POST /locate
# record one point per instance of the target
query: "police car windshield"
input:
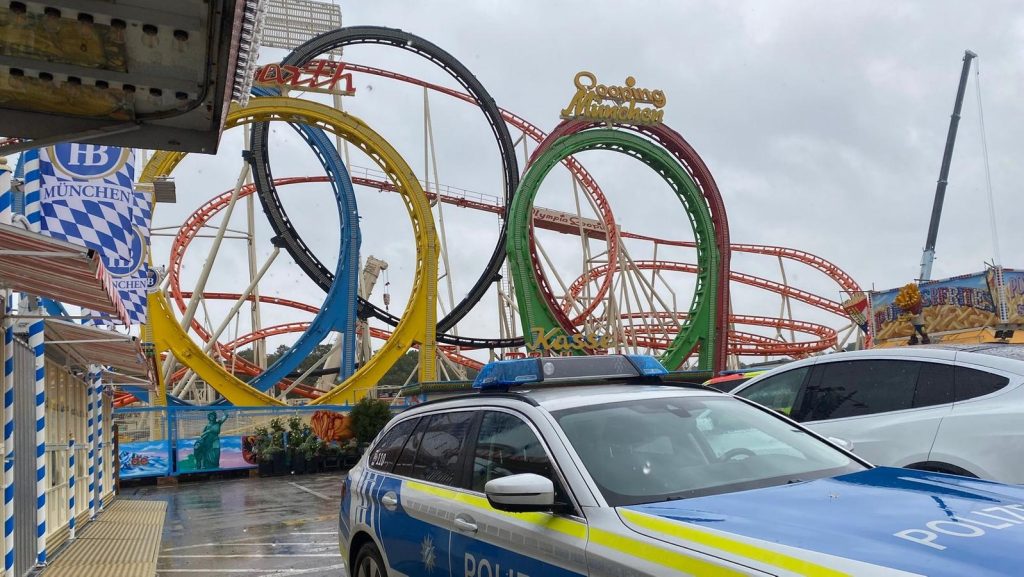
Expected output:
(649, 450)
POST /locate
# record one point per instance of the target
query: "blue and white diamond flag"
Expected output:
(86, 198)
(135, 279)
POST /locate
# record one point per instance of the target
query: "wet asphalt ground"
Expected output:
(256, 527)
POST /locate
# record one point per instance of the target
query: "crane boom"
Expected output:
(947, 156)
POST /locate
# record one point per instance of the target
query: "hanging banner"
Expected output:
(133, 278)
(86, 197)
(950, 305)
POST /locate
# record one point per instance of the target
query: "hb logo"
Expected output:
(88, 161)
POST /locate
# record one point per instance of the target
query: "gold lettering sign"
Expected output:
(556, 341)
(591, 102)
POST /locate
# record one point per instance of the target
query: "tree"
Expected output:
(368, 417)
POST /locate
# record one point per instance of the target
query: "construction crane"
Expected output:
(940, 188)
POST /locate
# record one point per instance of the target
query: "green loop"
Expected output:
(699, 328)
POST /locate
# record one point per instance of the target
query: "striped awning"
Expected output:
(36, 264)
(85, 345)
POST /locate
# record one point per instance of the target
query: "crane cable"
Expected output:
(997, 261)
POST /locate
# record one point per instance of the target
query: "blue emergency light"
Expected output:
(504, 374)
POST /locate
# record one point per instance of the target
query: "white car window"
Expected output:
(971, 383)
(861, 387)
(778, 392)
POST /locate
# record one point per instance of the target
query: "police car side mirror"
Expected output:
(522, 493)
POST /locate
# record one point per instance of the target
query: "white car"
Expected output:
(948, 408)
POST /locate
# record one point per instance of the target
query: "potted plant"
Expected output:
(276, 447)
(298, 436)
(350, 453)
(311, 450)
(260, 447)
(332, 456)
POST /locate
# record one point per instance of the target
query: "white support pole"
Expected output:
(204, 275)
(36, 343)
(90, 425)
(8, 435)
(259, 348)
(242, 299)
(33, 214)
(33, 211)
(6, 214)
(6, 198)
(71, 488)
(99, 446)
(215, 335)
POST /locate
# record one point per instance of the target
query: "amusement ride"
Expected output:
(628, 298)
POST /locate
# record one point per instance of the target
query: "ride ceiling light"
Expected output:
(135, 73)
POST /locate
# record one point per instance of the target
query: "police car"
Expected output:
(600, 466)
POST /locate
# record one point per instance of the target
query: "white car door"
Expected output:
(889, 409)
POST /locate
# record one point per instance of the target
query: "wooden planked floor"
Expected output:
(124, 541)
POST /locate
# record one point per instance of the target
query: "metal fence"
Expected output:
(162, 441)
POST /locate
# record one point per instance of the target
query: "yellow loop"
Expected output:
(419, 319)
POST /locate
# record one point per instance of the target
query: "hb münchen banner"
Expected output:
(86, 198)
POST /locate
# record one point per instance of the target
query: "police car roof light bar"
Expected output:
(500, 375)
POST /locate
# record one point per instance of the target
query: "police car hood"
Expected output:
(916, 522)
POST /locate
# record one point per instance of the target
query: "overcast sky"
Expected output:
(823, 124)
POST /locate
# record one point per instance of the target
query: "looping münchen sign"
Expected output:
(589, 102)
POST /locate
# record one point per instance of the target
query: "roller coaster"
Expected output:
(627, 300)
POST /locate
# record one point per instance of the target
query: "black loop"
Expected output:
(297, 248)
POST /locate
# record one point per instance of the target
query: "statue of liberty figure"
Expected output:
(207, 447)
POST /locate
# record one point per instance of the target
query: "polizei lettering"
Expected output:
(589, 102)
(486, 568)
(93, 191)
(939, 533)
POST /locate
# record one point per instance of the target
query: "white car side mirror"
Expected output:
(848, 445)
(521, 493)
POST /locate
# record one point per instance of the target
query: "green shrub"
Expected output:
(368, 418)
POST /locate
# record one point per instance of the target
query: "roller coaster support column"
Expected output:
(231, 313)
(204, 274)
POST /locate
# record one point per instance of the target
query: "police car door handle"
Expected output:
(465, 524)
(389, 500)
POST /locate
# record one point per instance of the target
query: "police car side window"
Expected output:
(386, 451)
(437, 458)
(505, 446)
(971, 383)
(408, 455)
(778, 392)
